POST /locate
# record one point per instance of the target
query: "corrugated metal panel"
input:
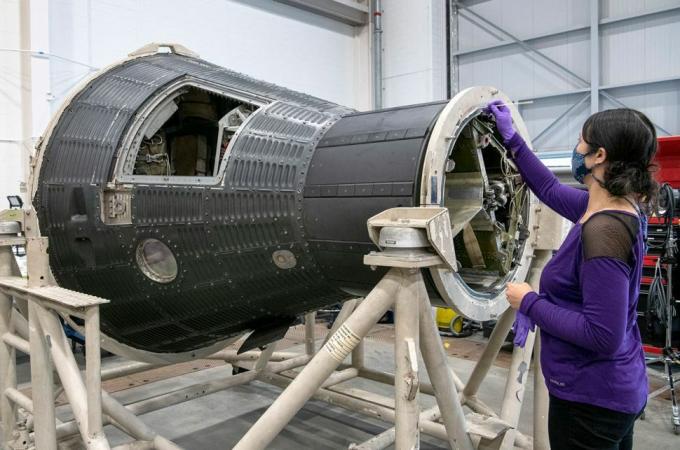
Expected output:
(164, 205)
(634, 50)
(222, 237)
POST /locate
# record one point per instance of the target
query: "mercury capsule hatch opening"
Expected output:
(488, 206)
(185, 137)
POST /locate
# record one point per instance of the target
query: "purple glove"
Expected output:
(523, 324)
(503, 118)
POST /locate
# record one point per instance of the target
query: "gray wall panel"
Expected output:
(644, 49)
(639, 59)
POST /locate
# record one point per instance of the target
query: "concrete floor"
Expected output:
(218, 421)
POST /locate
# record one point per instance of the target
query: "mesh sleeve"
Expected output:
(609, 234)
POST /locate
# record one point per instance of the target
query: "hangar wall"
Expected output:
(414, 52)
(547, 52)
(537, 51)
(70, 39)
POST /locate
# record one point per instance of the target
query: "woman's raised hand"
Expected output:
(503, 118)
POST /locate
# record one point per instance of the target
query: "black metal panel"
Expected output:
(365, 164)
(299, 178)
(222, 238)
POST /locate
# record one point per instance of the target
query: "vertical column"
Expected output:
(521, 359)
(26, 89)
(377, 55)
(41, 384)
(406, 380)
(8, 377)
(93, 380)
(310, 320)
(594, 56)
(454, 74)
(37, 259)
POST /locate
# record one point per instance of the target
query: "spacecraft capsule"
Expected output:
(206, 204)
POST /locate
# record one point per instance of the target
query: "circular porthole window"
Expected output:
(156, 261)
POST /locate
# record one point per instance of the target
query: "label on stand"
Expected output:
(342, 343)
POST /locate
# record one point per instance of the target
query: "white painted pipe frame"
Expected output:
(324, 363)
(42, 381)
(75, 389)
(310, 342)
(194, 391)
(8, 376)
(407, 410)
(441, 377)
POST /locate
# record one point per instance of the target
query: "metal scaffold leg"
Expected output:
(8, 377)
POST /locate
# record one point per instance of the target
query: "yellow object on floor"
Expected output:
(448, 319)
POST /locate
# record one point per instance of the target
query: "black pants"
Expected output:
(573, 425)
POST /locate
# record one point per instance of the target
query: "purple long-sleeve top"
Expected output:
(587, 300)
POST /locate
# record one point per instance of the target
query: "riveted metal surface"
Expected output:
(367, 163)
(222, 236)
(299, 178)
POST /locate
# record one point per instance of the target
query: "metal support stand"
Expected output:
(403, 288)
(49, 350)
(671, 257)
(323, 364)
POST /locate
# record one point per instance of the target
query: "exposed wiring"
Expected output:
(657, 299)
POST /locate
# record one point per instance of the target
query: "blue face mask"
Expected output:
(578, 165)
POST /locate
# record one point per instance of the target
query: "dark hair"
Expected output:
(629, 138)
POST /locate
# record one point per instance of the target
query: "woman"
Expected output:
(591, 353)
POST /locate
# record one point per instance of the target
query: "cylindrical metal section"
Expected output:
(19, 399)
(355, 404)
(358, 356)
(366, 163)
(346, 311)
(20, 324)
(340, 377)
(205, 204)
(232, 238)
(17, 343)
(135, 427)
